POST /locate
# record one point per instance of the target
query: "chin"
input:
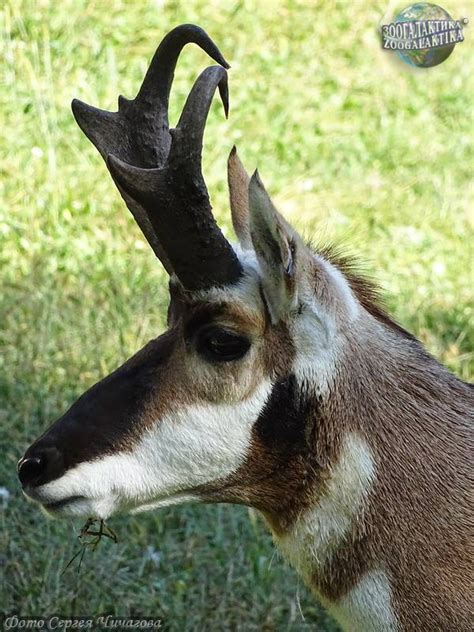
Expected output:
(104, 508)
(80, 507)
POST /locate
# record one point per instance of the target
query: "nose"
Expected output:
(40, 466)
(30, 469)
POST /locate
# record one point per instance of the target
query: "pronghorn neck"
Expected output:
(384, 443)
(332, 537)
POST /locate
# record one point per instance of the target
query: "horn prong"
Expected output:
(193, 118)
(100, 126)
(134, 180)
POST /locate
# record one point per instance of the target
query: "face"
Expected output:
(215, 408)
(174, 418)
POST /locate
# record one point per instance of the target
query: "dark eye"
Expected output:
(221, 345)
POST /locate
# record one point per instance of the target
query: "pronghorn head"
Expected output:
(216, 408)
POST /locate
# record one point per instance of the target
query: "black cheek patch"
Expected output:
(281, 426)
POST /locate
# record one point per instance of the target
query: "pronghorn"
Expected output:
(280, 384)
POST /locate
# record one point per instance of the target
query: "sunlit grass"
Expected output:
(355, 148)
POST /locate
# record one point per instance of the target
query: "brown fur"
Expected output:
(418, 521)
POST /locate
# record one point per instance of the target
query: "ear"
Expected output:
(238, 180)
(274, 244)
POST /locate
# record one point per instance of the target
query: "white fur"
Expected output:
(368, 606)
(342, 288)
(317, 349)
(188, 447)
(246, 290)
(317, 333)
(321, 530)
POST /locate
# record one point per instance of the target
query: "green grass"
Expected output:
(355, 148)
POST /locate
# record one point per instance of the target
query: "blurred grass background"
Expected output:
(355, 147)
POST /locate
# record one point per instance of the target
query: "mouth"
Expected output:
(59, 504)
(74, 505)
(100, 507)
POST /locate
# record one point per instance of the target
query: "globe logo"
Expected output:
(423, 34)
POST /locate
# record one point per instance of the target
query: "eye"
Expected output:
(221, 345)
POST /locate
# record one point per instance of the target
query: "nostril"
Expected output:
(30, 469)
(41, 464)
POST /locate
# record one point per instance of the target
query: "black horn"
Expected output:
(158, 170)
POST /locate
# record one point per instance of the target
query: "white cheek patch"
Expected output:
(316, 353)
(186, 448)
(316, 331)
(341, 286)
(318, 345)
(368, 606)
(322, 529)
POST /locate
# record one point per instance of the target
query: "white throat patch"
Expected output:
(368, 606)
(322, 529)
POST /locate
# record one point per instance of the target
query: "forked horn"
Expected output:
(158, 170)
